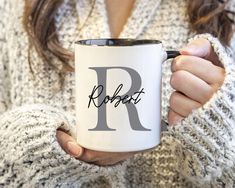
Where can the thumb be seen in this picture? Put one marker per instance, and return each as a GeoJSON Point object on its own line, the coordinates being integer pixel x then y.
{"type": "Point", "coordinates": [69, 144]}
{"type": "Point", "coordinates": [201, 48]}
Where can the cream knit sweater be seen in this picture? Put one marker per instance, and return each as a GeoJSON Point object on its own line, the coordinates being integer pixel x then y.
{"type": "Point", "coordinates": [199, 151]}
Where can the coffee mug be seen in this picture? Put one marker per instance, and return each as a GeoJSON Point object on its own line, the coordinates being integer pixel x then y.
{"type": "Point", "coordinates": [118, 93]}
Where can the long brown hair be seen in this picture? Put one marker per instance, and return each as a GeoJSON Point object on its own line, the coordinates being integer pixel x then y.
{"type": "Point", "coordinates": [205, 16]}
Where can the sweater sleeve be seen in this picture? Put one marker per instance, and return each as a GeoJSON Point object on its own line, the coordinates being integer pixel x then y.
{"type": "Point", "coordinates": [4, 84]}
{"type": "Point", "coordinates": [204, 142]}
{"type": "Point", "coordinates": [30, 155]}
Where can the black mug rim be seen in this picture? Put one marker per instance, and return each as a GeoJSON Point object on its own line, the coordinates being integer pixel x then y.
{"type": "Point", "coordinates": [117, 42]}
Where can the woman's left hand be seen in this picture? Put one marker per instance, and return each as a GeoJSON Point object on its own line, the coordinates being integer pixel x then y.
{"type": "Point", "coordinates": [196, 75]}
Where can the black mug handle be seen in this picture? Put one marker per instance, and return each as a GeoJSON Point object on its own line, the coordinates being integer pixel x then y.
{"type": "Point", "coordinates": [172, 54]}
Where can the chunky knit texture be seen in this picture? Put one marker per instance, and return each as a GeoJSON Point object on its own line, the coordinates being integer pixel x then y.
{"type": "Point", "coordinates": [199, 151]}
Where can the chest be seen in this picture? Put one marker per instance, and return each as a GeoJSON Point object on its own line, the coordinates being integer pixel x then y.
{"type": "Point", "coordinates": [118, 12]}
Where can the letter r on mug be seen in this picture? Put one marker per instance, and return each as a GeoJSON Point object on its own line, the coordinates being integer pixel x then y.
{"type": "Point", "coordinates": [126, 99]}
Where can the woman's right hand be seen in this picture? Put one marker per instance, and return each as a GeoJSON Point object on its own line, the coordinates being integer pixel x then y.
{"type": "Point", "coordinates": [90, 156]}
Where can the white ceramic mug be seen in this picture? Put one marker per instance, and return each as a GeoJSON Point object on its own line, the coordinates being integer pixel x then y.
{"type": "Point", "coordinates": [118, 93]}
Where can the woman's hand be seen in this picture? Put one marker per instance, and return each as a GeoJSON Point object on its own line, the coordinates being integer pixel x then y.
{"type": "Point", "coordinates": [196, 75]}
{"type": "Point", "coordinates": [96, 157]}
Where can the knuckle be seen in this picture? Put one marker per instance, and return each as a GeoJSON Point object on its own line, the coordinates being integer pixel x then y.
{"type": "Point", "coordinates": [207, 94]}
{"type": "Point", "coordinates": [173, 99]}
{"type": "Point", "coordinates": [222, 76]}
{"type": "Point", "coordinates": [209, 63]}
{"type": "Point", "coordinates": [174, 118]}
{"type": "Point", "coordinates": [179, 62]}
{"type": "Point", "coordinates": [216, 87]}
{"type": "Point", "coordinates": [210, 92]}
{"type": "Point", "coordinates": [171, 117]}
{"type": "Point", "coordinates": [173, 81]}
{"type": "Point", "coordinates": [177, 78]}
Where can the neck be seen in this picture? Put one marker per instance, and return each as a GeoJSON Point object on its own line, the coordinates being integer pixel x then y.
{"type": "Point", "coordinates": [118, 12]}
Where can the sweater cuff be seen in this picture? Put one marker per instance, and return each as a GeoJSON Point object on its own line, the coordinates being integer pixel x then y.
{"type": "Point", "coordinates": [206, 138]}
{"type": "Point", "coordinates": [28, 139]}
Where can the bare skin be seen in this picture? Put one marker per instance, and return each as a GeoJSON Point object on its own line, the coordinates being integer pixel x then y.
{"type": "Point", "coordinates": [118, 13]}
{"type": "Point", "coordinates": [191, 65]}
{"type": "Point", "coordinates": [202, 74]}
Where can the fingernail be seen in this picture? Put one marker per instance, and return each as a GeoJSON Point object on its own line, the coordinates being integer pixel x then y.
{"type": "Point", "coordinates": [74, 149]}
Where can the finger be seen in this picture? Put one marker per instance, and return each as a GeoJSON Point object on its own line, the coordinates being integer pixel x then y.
{"type": "Point", "coordinates": [191, 86]}
{"type": "Point", "coordinates": [94, 156]}
{"type": "Point", "coordinates": [69, 144]}
{"type": "Point", "coordinates": [107, 162]}
{"type": "Point", "coordinates": [201, 48]}
{"type": "Point", "coordinates": [199, 67]}
{"type": "Point", "coordinates": [89, 156]}
{"type": "Point", "coordinates": [182, 105]}
{"type": "Point", "coordinates": [111, 161]}
{"type": "Point", "coordinates": [114, 160]}
{"type": "Point", "coordinates": [173, 117]}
